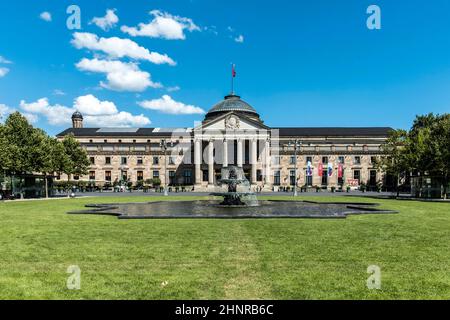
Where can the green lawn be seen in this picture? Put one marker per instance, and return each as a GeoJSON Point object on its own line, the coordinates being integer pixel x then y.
{"type": "Point", "coordinates": [223, 259]}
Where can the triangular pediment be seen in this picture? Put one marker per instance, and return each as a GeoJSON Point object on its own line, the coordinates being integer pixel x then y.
{"type": "Point", "coordinates": [232, 121]}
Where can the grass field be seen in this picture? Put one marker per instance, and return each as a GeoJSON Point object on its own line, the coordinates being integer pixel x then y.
{"type": "Point", "coordinates": [223, 259]}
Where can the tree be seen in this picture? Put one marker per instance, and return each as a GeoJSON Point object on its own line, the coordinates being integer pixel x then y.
{"type": "Point", "coordinates": [77, 162]}
{"type": "Point", "coordinates": [395, 159]}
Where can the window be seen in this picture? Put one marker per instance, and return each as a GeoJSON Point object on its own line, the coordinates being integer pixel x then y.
{"type": "Point", "coordinates": [171, 177]}
{"type": "Point", "coordinates": [325, 177]}
{"type": "Point", "coordinates": [140, 161]}
{"type": "Point", "coordinates": [140, 176]}
{"type": "Point", "coordinates": [277, 178]}
{"type": "Point", "coordinates": [325, 160]}
{"type": "Point", "coordinates": [341, 160]}
{"type": "Point", "coordinates": [292, 160]}
{"type": "Point", "coordinates": [205, 176]}
{"type": "Point", "coordinates": [373, 160]}
{"type": "Point", "coordinates": [292, 178]}
{"type": "Point", "coordinates": [155, 161]}
{"type": "Point", "coordinates": [156, 174]}
{"type": "Point", "coordinates": [92, 160]}
{"type": "Point", "coordinates": [76, 177]}
{"type": "Point", "coordinates": [187, 177]}
{"type": "Point", "coordinates": [309, 180]}
{"type": "Point", "coordinates": [276, 161]}
{"type": "Point", "coordinates": [172, 160]}
{"type": "Point", "coordinates": [108, 160]}
{"type": "Point", "coordinates": [91, 175]}
{"type": "Point", "coordinates": [259, 176]}
{"type": "Point", "coordinates": [357, 175]}
{"type": "Point", "coordinates": [124, 176]}
{"type": "Point", "coordinates": [308, 159]}
{"type": "Point", "coordinates": [373, 178]}
{"type": "Point", "coordinates": [108, 176]}
{"type": "Point", "coordinates": [124, 161]}
{"type": "Point", "coordinates": [357, 160]}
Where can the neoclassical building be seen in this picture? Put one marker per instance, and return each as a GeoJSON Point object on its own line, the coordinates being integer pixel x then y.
{"type": "Point", "coordinates": [232, 133]}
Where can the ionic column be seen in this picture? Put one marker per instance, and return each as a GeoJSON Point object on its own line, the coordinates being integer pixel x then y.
{"type": "Point", "coordinates": [198, 161]}
{"type": "Point", "coordinates": [211, 162]}
{"type": "Point", "coordinates": [254, 160]}
{"type": "Point", "coordinates": [240, 154]}
{"type": "Point", "coordinates": [225, 153]}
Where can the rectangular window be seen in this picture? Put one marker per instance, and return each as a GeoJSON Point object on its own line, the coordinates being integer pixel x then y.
{"type": "Point", "coordinates": [108, 160]}
{"type": "Point", "coordinates": [259, 176]}
{"type": "Point", "coordinates": [205, 176]}
{"type": "Point", "coordinates": [341, 160]}
{"type": "Point", "coordinates": [373, 160]}
{"type": "Point", "coordinates": [172, 160]}
{"type": "Point", "coordinates": [325, 177]}
{"type": "Point", "coordinates": [309, 180]}
{"type": "Point", "coordinates": [124, 161]}
{"type": "Point", "coordinates": [155, 161]}
{"type": "Point", "coordinates": [325, 160]}
{"type": "Point", "coordinates": [156, 174]}
{"type": "Point", "coordinates": [92, 160]}
{"type": "Point", "coordinates": [91, 175]}
{"type": "Point", "coordinates": [140, 161]}
{"type": "Point", "coordinates": [357, 160]}
{"type": "Point", "coordinates": [124, 176]}
{"type": "Point", "coordinates": [277, 178]}
{"type": "Point", "coordinates": [108, 176]}
{"type": "Point", "coordinates": [171, 177]}
{"type": "Point", "coordinates": [292, 177]}
{"type": "Point", "coordinates": [357, 175]}
{"type": "Point", "coordinates": [308, 159]}
{"type": "Point", "coordinates": [373, 178]}
{"type": "Point", "coordinates": [140, 176]}
{"type": "Point", "coordinates": [292, 160]}
{"type": "Point", "coordinates": [187, 177]}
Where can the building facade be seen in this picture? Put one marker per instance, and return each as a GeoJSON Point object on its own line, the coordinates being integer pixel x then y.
{"type": "Point", "coordinates": [232, 133]}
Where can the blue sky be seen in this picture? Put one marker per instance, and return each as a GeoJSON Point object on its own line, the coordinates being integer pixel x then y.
{"type": "Point", "coordinates": [301, 63]}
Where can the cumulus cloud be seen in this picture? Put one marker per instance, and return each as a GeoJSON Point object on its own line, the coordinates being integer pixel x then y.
{"type": "Point", "coordinates": [5, 111]}
{"type": "Point", "coordinates": [4, 60]}
{"type": "Point", "coordinates": [167, 105]}
{"type": "Point", "coordinates": [118, 48]}
{"type": "Point", "coordinates": [46, 16]}
{"type": "Point", "coordinates": [95, 112]}
{"type": "Point", "coordinates": [121, 76]}
{"type": "Point", "coordinates": [3, 72]}
{"type": "Point", "coordinates": [163, 25]}
{"type": "Point", "coordinates": [107, 22]}
{"type": "Point", "coordinates": [239, 39]}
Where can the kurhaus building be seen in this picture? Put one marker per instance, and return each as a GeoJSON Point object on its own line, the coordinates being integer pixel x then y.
{"type": "Point", "coordinates": [232, 133]}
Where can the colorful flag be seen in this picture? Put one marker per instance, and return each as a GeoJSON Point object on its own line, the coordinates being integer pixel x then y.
{"type": "Point", "coordinates": [320, 169]}
{"type": "Point", "coordinates": [330, 169]}
{"type": "Point", "coordinates": [234, 71]}
{"type": "Point", "coordinates": [340, 171]}
{"type": "Point", "coordinates": [309, 171]}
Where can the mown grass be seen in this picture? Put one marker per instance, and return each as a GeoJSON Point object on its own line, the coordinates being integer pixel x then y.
{"type": "Point", "coordinates": [223, 259]}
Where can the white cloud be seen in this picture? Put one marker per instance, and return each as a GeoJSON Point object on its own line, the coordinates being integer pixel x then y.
{"type": "Point", "coordinates": [239, 39]}
{"type": "Point", "coordinates": [173, 89]}
{"type": "Point", "coordinates": [5, 111]}
{"type": "Point", "coordinates": [58, 92]}
{"type": "Point", "coordinates": [118, 48]}
{"type": "Point", "coordinates": [95, 112]}
{"type": "Point", "coordinates": [107, 22]}
{"type": "Point", "coordinates": [163, 25]}
{"type": "Point", "coordinates": [90, 105]}
{"type": "Point", "coordinates": [3, 72]}
{"type": "Point", "coordinates": [4, 60]}
{"type": "Point", "coordinates": [167, 105]}
{"type": "Point", "coordinates": [46, 16]}
{"type": "Point", "coordinates": [121, 76]}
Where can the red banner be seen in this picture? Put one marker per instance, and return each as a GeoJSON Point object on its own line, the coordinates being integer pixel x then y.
{"type": "Point", "coordinates": [340, 171]}
{"type": "Point", "coordinates": [320, 169]}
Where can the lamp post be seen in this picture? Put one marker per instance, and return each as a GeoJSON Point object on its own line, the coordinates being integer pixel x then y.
{"type": "Point", "coordinates": [164, 147]}
{"type": "Point", "coordinates": [297, 144]}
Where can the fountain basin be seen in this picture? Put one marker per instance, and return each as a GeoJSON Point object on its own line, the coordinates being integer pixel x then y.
{"type": "Point", "coordinates": [214, 210]}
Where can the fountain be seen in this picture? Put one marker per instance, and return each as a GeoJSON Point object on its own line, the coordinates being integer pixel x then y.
{"type": "Point", "coordinates": [233, 177]}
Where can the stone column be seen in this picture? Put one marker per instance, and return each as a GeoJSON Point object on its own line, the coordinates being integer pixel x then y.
{"type": "Point", "coordinates": [225, 153]}
{"type": "Point", "coordinates": [211, 172]}
{"type": "Point", "coordinates": [254, 160]}
{"type": "Point", "coordinates": [240, 153]}
{"type": "Point", "coordinates": [268, 176]}
{"type": "Point", "coordinates": [198, 161]}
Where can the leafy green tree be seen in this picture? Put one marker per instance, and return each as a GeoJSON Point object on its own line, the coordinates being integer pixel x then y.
{"type": "Point", "coordinates": [395, 159]}
{"type": "Point", "coordinates": [77, 158]}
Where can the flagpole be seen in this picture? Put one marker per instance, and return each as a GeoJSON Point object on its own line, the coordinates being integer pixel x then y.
{"type": "Point", "coordinates": [232, 79]}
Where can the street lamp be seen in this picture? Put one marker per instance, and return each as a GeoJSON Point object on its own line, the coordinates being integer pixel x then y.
{"type": "Point", "coordinates": [297, 144]}
{"type": "Point", "coordinates": [164, 147]}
